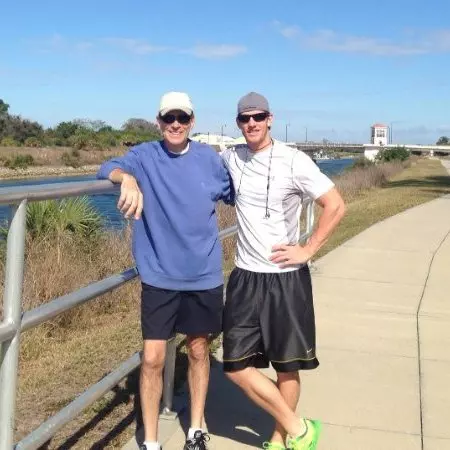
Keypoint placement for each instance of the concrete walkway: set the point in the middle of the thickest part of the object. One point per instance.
(383, 330)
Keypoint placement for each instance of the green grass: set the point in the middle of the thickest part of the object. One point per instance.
(425, 180)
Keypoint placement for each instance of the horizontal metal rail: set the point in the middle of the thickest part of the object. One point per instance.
(61, 304)
(13, 324)
(12, 195)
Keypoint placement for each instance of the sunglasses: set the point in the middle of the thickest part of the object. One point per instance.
(182, 118)
(258, 117)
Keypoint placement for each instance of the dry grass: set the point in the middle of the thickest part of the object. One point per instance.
(62, 358)
(358, 180)
(52, 156)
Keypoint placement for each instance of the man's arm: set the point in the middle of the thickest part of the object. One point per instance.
(131, 201)
(124, 170)
(333, 211)
(228, 194)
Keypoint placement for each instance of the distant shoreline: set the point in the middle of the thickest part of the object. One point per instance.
(46, 171)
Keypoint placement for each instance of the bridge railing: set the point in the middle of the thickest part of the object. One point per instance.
(15, 321)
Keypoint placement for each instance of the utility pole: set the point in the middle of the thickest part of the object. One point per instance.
(306, 134)
(285, 137)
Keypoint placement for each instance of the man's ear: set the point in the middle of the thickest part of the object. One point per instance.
(158, 122)
(270, 121)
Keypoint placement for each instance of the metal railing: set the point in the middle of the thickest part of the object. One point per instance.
(15, 321)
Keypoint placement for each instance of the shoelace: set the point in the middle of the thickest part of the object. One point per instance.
(199, 443)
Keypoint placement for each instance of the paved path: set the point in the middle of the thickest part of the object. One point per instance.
(383, 324)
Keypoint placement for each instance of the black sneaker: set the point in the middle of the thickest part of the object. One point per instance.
(144, 447)
(198, 442)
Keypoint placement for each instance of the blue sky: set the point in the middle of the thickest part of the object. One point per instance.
(333, 68)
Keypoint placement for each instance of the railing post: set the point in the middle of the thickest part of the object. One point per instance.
(12, 307)
(310, 226)
(310, 217)
(169, 381)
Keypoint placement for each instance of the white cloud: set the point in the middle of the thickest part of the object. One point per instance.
(58, 43)
(215, 51)
(415, 43)
(137, 46)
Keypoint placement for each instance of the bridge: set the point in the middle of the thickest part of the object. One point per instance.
(309, 147)
(370, 150)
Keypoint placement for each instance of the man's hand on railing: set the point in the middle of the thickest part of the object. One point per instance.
(288, 255)
(131, 201)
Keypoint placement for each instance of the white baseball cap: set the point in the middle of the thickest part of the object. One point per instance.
(175, 100)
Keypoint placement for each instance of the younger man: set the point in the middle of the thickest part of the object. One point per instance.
(269, 314)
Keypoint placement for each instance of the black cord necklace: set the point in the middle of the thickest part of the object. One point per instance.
(267, 214)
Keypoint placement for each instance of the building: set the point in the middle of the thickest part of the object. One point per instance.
(379, 135)
(216, 140)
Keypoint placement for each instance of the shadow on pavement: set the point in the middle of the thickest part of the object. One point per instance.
(230, 414)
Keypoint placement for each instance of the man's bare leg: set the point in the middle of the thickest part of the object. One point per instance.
(151, 382)
(266, 394)
(198, 377)
(289, 386)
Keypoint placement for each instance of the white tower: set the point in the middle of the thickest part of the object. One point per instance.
(379, 135)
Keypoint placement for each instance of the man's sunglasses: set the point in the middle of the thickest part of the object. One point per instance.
(182, 118)
(258, 117)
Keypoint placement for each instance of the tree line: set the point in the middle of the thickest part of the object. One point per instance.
(80, 134)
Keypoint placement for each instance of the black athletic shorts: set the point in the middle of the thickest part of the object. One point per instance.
(269, 317)
(165, 312)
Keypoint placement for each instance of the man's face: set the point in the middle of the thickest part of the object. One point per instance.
(254, 125)
(176, 126)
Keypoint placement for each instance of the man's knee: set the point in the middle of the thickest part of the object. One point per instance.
(198, 348)
(239, 377)
(154, 355)
(288, 376)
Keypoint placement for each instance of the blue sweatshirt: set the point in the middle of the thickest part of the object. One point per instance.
(175, 243)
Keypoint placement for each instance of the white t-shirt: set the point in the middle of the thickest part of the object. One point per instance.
(294, 179)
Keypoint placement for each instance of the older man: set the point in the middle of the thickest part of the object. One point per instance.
(171, 187)
(269, 313)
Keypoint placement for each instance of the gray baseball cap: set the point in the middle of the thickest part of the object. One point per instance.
(251, 102)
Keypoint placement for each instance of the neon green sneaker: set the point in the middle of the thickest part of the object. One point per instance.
(273, 446)
(308, 440)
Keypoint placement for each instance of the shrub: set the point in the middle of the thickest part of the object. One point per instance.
(19, 162)
(73, 215)
(33, 142)
(79, 140)
(361, 162)
(9, 142)
(107, 140)
(393, 154)
(71, 159)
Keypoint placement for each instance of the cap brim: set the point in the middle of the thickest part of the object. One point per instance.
(253, 108)
(164, 111)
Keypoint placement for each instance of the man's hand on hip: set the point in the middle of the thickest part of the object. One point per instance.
(289, 255)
